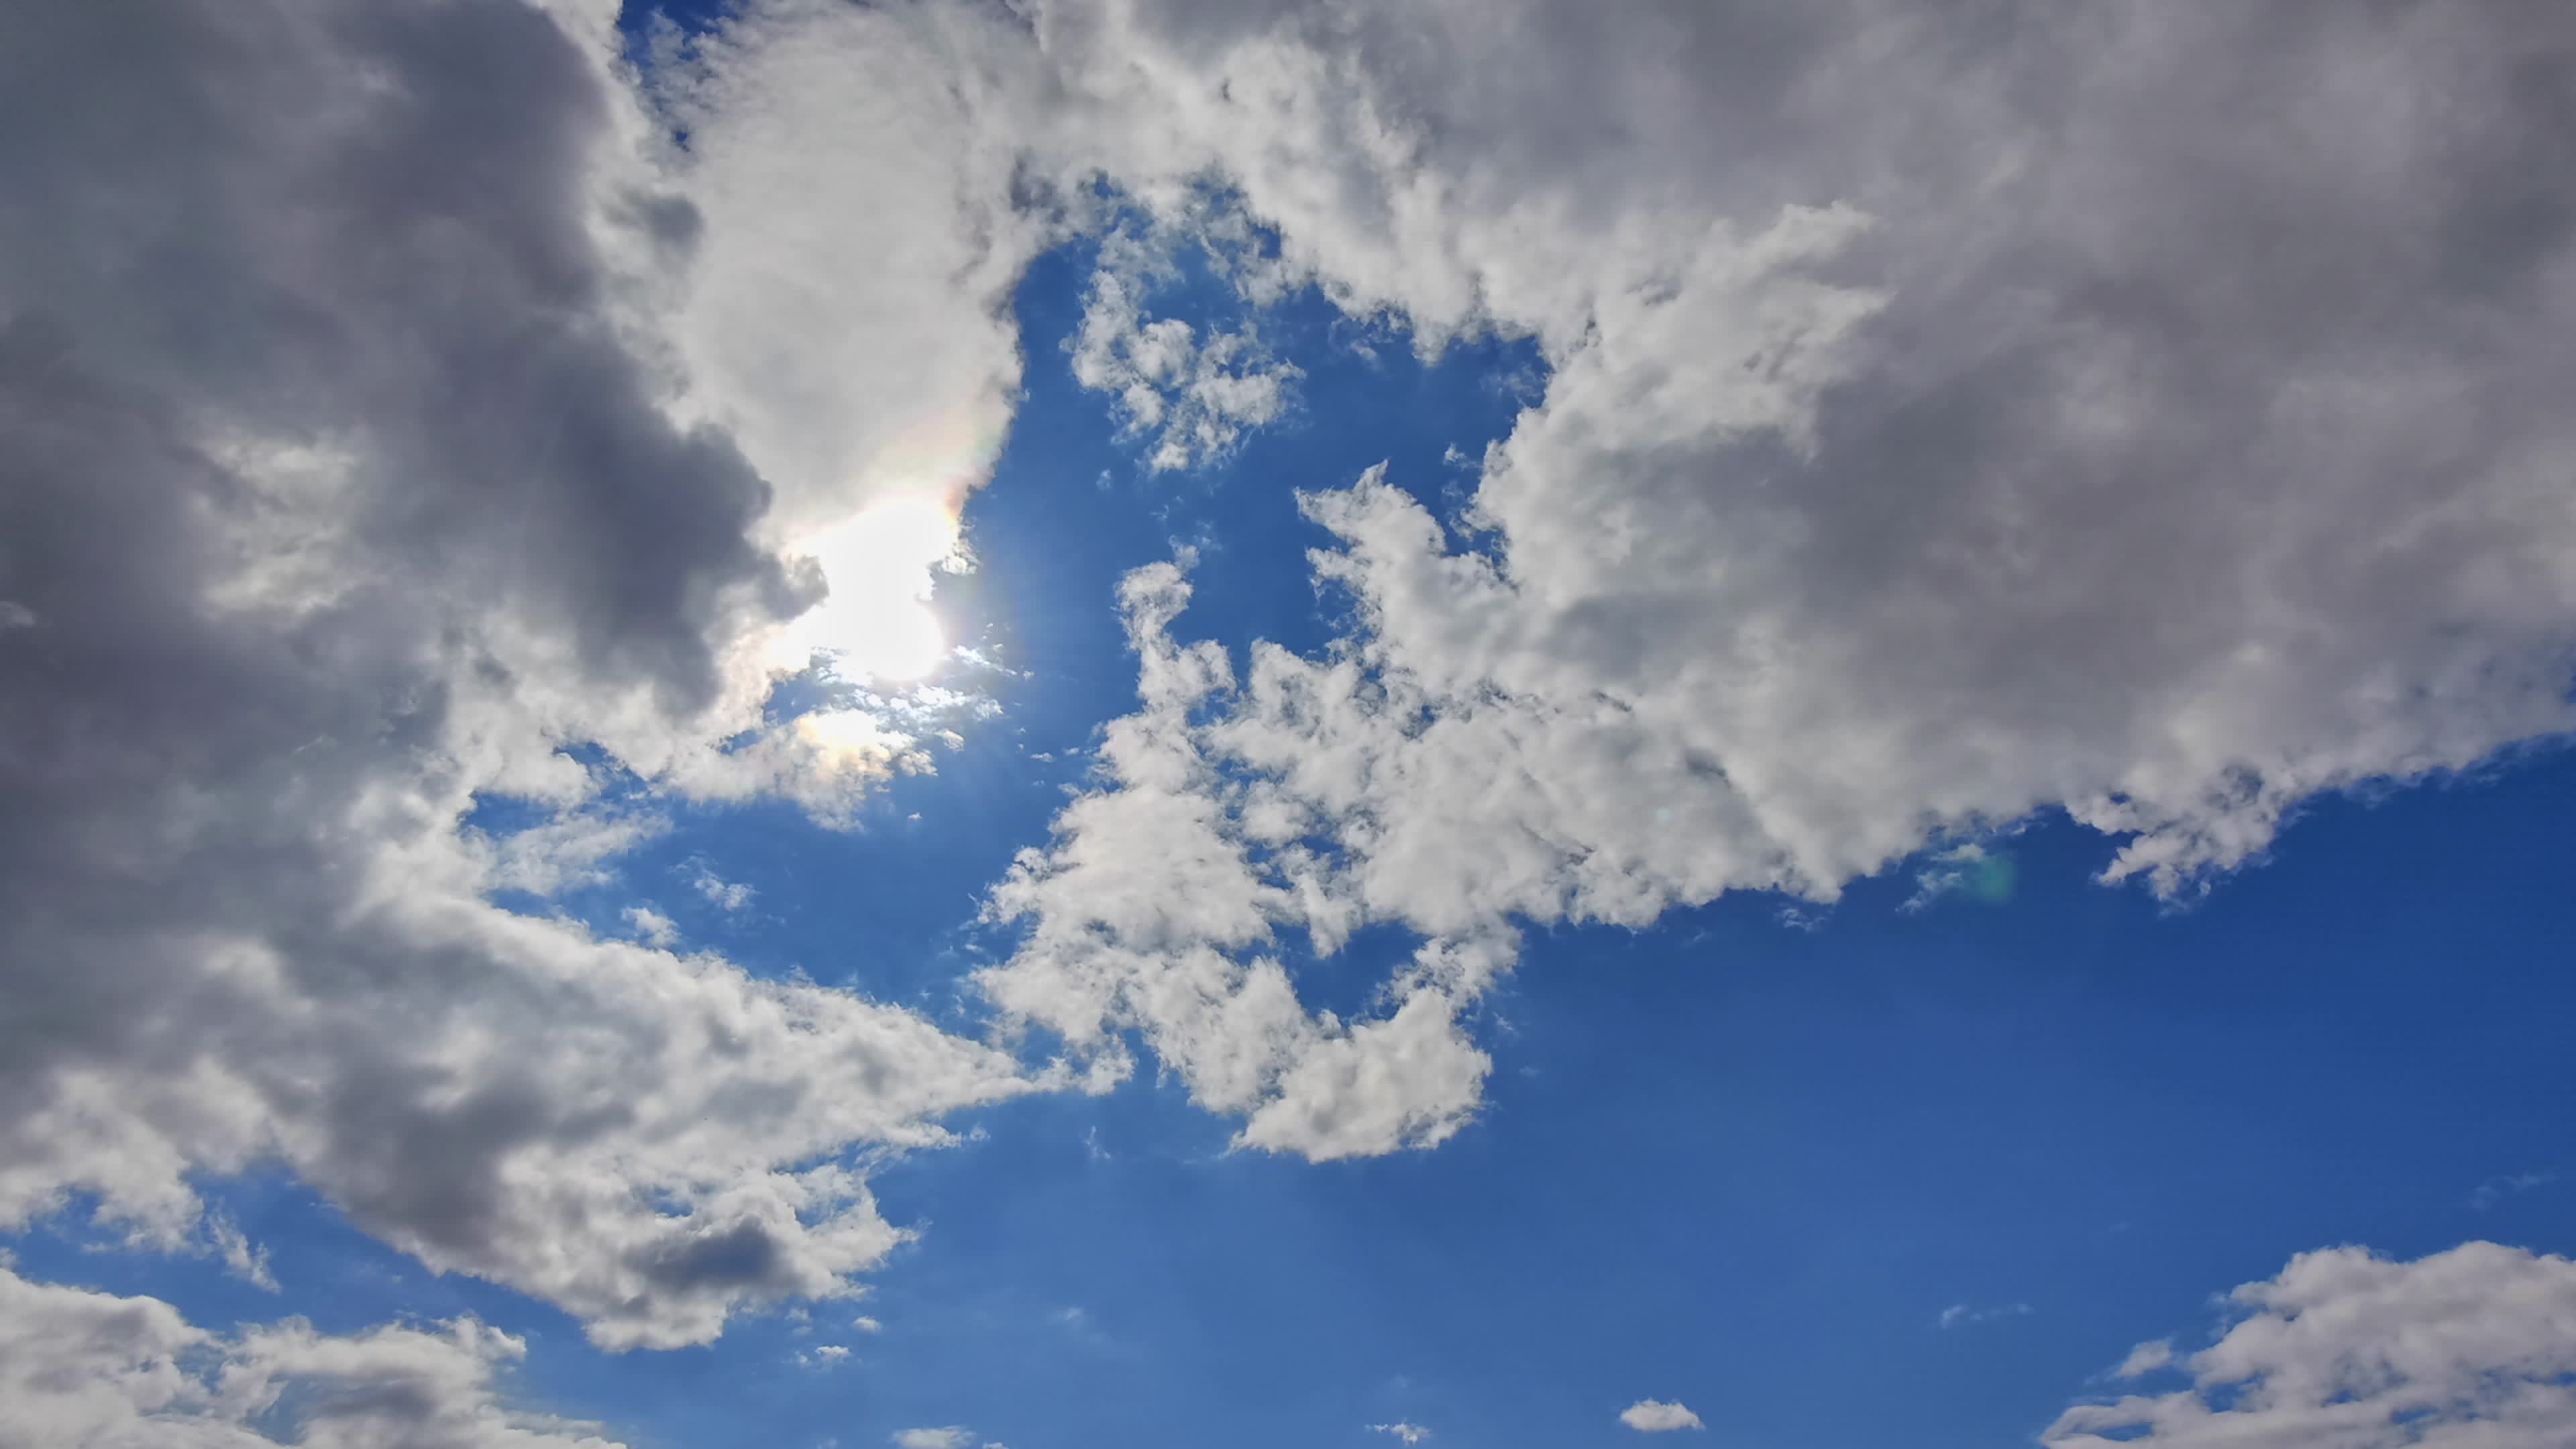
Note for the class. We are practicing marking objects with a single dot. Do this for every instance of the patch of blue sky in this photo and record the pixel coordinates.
(1749, 1166)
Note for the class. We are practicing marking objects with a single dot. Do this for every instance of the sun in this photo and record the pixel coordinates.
(877, 623)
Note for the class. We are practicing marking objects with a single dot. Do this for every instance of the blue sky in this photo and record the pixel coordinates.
(1894, 793)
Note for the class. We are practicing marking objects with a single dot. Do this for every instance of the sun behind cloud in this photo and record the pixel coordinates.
(877, 624)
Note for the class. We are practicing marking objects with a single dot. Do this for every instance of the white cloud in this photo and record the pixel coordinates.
(1189, 393)
(1655, 1416)
(243, 1258)
(1939, 458)
(1409, 1433)
(1153, 906)
(82, 1367)
(652, 927)
(2145, 1359)
(949, 1437)
(722, 893)
(844, 312)
(2474, 1348)
(1958, 1314)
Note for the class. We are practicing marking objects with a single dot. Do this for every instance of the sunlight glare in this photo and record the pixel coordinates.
(877, 622)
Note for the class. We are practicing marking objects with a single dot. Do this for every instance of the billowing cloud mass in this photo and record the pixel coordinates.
(2146, 415)
(1655, 1416)
(2347, 1350)
(337, 495)
(2150, 414)
(88, 1368)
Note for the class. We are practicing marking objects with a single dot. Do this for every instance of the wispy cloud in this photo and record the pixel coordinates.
(2497, 1189)
(724, 894)
(1961, 1315)
(2146, 1358)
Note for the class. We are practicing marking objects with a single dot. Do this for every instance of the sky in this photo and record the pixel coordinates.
(1016, 724)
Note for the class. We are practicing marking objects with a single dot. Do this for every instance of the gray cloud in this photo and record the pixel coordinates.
(82, 1367)
(333, 493)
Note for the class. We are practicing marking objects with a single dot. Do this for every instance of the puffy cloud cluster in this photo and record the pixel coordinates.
(1190, 393)
(2145, 415)
(2346, 1350)
(1143, 911)
(93, 1369)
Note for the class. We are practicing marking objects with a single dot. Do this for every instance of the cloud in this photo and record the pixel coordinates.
(2146, 1358)
(2497, 1189)
(1980, 874)
(1958, 1314)
(2474, 1346)
(1654, 1416)
(82, 1367)
(721, 893)
(949, 1437)
(1409, 1433)
(2156, 418)
(348, 486)
(2150, 418)
(1149, 911)
(652, 927)
(1190, 393)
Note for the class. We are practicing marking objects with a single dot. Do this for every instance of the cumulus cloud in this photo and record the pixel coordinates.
(947, 1437)
(2149, 417)
(1655, 1416)
(82, 1367)
(1409, 1433)
(2472, 1347)
(1155, 908)
(346, 487)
